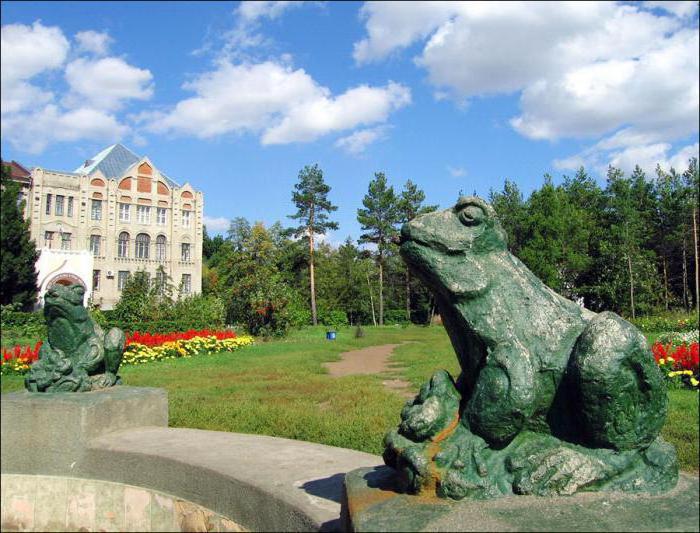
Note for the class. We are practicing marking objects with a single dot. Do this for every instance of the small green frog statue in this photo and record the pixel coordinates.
(77, 356)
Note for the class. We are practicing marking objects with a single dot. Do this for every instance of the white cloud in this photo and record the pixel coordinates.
(216, 224)
(33, 132)
(93, 42)
(29, 50)
(32, 115)
(582, 69)
(254, 10)
(627, 151)
(26, 52)
(282, 104)
(358, 141)
(682, 9)
(456, 172)
(106, 82)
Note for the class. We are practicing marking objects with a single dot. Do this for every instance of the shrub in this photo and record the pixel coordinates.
(20, 323)
(333, 319)
(395, 316)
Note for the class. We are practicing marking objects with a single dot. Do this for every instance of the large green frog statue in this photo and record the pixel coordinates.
(77, 356)
(552, 398)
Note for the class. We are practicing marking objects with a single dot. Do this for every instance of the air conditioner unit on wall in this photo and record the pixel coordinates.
(110, 274)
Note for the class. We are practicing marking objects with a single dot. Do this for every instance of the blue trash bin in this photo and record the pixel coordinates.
(330, 335)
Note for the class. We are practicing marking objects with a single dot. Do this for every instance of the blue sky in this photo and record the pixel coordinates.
(237, 97)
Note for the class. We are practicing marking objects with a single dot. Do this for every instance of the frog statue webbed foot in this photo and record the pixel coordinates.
(552, 398)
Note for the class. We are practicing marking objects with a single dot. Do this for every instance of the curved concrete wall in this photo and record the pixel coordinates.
(120, 435)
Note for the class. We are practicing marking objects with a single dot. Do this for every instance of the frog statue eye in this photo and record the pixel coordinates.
(471, 215)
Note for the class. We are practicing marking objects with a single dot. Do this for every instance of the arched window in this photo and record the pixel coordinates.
(143, 242)
(123, 245)
(160, 248)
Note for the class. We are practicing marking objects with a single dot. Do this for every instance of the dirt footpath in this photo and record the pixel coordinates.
(370, 360)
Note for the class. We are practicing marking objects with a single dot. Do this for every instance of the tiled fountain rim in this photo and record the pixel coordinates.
(60, 503)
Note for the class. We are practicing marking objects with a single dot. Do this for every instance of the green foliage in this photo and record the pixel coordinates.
(16, 323)
(149, 305)
(333, 319)
(18, 253)
(380, 214)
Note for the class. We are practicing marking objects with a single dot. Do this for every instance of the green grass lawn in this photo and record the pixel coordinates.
(280, 388)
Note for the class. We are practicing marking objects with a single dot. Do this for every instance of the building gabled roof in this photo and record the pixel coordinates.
(113, 162)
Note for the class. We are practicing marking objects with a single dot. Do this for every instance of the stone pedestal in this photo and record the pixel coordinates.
(47, 433)
(372, 503)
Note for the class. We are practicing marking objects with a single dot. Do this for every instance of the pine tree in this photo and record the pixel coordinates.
(311, 199)
(410, 205)
(378, 220)
(18, 253)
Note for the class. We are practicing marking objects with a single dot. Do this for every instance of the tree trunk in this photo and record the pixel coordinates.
(408, 295)
(629, 268)
(381, 291)
(695, 253)
(371, 300)
(665, 282)
(685, 276)
(314, 319)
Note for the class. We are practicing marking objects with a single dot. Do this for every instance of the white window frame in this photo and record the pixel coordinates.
(124, 212)
(122, 278)
(95, 249)
(143, 214)
(161, 220)
(185, 257)
(60, 202)
(186, 283)
(65, 241)
(186, 218)
(95, 209)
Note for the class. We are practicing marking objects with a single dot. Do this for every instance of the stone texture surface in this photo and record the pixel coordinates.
(551, 399)
(297, 484)
(58, 426)
(372, 503)
(49, 503)
(120, 435)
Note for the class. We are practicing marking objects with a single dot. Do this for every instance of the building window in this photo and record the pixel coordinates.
(48, 204)
(95, 244)
(186, 283)
(160, 279)
(185, 251)
(160, 216)
(186, 219)
(160, 248)
(95, 280)
(48, 239)
(59, 205)
(123, 245)
(124, 212)
(143, 242)
(65, 241)
(122, 277)
(143, 214)
(96, 210)
(69, 210)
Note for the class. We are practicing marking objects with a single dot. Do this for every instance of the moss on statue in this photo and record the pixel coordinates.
(77, 356)
(552, 398)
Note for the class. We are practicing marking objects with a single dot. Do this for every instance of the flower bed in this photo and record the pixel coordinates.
(679, 364)
(18, 359)
(142, 348)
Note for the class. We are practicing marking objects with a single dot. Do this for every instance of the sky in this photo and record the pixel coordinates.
(236, 98)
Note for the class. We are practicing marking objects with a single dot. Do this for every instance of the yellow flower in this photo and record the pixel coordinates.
(694, 382)
(662, 361)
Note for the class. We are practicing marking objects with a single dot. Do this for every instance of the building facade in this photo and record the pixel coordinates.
(115, 214)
